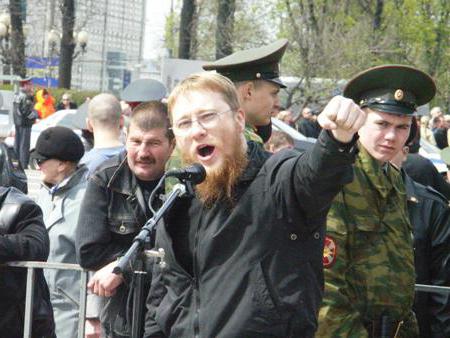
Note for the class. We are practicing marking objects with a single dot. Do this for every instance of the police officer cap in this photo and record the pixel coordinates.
(59, 143)
(23, 80)
(252, 64)
(144, 90)
(395, 89)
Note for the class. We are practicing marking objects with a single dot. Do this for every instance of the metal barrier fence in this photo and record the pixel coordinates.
(30, 266)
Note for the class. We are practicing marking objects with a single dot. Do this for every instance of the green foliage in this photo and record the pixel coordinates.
(6, 87)
(334, 40)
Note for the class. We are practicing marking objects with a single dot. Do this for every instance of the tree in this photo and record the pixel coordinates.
(224, 28)
(187, 31)
(17, 38)
(67, 47)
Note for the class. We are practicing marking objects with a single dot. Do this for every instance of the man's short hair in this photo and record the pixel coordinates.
(151, 115)
(206, 81)
(256, 83)
(280, 140)
(104, 110)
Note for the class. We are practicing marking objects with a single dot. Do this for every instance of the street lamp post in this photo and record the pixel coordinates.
(53, 37)
(82, 40)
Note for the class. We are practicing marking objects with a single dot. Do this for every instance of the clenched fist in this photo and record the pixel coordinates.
(104, 282)
(343, 117)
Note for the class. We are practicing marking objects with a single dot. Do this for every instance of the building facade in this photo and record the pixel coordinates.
(114, 51)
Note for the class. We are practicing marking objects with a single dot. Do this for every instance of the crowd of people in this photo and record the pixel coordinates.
(327, 242)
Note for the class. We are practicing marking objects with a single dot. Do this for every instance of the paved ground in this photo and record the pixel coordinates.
(33, 182)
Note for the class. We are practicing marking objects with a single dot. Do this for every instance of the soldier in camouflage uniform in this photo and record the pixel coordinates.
(368, 253)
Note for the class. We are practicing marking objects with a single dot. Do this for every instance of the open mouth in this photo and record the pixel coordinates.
(205, 151)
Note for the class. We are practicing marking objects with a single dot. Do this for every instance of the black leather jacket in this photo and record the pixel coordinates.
(23, 110)
(112, 214)
(23, 237)
(430, 216)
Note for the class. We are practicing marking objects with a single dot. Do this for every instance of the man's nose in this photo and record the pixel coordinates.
(391, 134)
(197, 129)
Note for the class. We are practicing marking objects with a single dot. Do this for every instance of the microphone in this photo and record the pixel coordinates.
(194, 173)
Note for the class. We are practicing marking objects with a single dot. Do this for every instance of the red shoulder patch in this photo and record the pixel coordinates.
(329, 252)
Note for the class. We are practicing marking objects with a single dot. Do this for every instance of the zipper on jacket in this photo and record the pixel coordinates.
(196, 285)
(196, 308)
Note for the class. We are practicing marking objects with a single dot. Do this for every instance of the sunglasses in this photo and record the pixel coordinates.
(39, 161)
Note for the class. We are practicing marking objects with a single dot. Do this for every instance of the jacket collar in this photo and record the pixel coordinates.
(257, 156)
(123, 180)
(78, 175)
(410, 187)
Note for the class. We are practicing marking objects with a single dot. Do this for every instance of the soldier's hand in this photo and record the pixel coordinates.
(104, 282)
(343, 117)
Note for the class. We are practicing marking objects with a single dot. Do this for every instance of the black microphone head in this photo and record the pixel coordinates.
(199, 173)
(194, 173)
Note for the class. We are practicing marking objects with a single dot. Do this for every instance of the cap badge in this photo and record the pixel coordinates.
(329, 252)
(398, 95)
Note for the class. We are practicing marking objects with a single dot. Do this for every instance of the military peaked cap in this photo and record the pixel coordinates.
(395, 89)
(144, 90)
(252, 64)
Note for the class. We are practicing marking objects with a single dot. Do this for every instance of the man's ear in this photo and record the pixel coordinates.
(246, 90)
(173, 143)
(121, 121)
(89, 125)
(240, 119)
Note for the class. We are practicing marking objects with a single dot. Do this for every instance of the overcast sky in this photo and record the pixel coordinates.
(157, 10)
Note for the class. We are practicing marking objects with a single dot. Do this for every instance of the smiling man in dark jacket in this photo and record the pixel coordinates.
(244, 257)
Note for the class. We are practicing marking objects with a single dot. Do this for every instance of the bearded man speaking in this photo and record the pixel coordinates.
(244, 257)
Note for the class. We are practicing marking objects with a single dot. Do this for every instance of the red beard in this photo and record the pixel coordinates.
(219, 184)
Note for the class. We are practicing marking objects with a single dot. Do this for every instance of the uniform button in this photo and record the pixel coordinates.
(293, 237)
(122, 228)
(316, 235)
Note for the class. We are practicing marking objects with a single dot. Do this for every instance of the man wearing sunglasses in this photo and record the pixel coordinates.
(57, 153)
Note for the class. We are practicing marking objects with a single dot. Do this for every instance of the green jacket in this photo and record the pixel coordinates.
(368, 256)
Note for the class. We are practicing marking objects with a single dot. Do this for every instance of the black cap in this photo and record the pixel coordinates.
(144, 90)
(395, 89)
(252, 64)
(59, 143)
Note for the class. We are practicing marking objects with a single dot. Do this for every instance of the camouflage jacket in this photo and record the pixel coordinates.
(251, 135)
(368, 255)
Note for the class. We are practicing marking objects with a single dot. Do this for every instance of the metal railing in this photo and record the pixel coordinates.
(31, 266)
(432, 288)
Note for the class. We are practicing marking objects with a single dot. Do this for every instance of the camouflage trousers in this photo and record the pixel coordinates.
(350, 325)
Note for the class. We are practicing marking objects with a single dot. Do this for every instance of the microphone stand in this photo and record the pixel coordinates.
(126, 261)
